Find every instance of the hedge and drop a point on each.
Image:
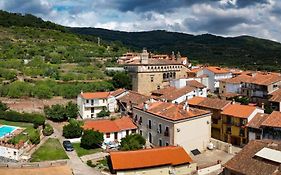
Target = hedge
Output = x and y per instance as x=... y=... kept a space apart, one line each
x=14 y=116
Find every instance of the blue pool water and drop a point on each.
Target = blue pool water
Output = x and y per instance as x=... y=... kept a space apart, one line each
x=5 y=129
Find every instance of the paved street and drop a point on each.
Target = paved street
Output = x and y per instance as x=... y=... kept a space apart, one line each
x=78 y=167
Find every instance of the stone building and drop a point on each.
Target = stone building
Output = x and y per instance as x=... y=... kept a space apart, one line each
x=150 y=74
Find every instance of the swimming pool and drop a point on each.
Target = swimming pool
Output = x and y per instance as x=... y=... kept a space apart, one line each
x=6 y=129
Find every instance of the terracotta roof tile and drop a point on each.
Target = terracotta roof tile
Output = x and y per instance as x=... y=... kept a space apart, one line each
x=107 y=125
x=237 y=110
x=212 y=103
x=276 y=96
x=95 y=95
x=117 y=92
x=134 y=97
x=124 y=160
x=245 y=161
x=273 y=120
x=171 y=93
x=217 y=70
x=195 y=84
x=172 y=111
x=257 y=120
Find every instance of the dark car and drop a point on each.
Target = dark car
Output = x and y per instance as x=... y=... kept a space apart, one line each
x=67 y=145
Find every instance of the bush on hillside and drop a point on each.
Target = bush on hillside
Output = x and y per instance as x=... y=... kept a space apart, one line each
x=48 y=130
x=34 y=137
x=14 y=116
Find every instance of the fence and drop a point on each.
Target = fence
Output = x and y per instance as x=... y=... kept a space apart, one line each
x=34 y=165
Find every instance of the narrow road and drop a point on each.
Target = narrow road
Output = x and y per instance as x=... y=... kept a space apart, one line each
x=78 y=167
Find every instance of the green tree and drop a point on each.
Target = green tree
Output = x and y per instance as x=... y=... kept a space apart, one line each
x=132 y=142
x=55 y=112
x=103 y=113
x=91 y=139
x=48 y=130
x=43 y=91
x=34 y=137
x=72 y=130
x=3 y=106
x=122 y=80
x=71 y=110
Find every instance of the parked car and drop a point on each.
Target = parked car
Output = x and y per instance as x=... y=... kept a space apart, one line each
x=67 y=145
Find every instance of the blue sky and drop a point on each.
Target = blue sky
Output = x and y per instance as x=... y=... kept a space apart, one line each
x=260 y=18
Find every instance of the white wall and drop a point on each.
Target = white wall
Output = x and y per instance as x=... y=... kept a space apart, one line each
x=233 y=87
x=257 y=110
x=10 y=153
x=194 y=133
x=120 y=135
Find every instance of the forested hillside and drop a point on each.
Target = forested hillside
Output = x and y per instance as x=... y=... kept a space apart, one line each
x=244 y=51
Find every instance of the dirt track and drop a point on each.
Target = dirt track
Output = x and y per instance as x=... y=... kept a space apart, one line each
x=33 y=104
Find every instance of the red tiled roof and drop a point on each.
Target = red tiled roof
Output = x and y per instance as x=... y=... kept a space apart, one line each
x=172 y=111
x=237 y=110
x=117 y=92
x=273 y=120
x=217 y=70
x=245 y=162
x=276 y=96
x=108 y=126
x=212 y=103
x=171 y=155
x=171 y=93
x=257 y=121
x=94 y=95
x=134 y=97
x=195 y=83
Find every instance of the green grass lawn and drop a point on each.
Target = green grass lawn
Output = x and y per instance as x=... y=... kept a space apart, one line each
x=50 y=150
x=81 y=151
x=28 y=128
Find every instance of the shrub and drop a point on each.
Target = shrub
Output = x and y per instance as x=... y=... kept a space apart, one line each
x=90 y=163
x=71 y=110
x=72 y=131
x=48 y=130
x=22 y=117
x=132 y=142
x=3 y=107
x=91 y=139
x=55 y=112
x=34 y=137
x=103 y=113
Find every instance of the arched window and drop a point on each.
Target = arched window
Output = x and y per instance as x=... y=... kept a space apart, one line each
x=164 y=76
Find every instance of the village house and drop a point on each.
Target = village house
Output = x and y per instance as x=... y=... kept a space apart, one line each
x=275 y=100
x=113 y=130
x=214 y=75
x=258 y=157
x=254 y=126
x=150 y=74
x=153 y=161
x=235 y=117
x=215 y=106
x=163 y=124
x=13 y=152
x=91 y=103
x=129 y=100
x=258 y=86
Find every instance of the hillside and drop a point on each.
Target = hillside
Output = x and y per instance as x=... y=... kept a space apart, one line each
x=42 y=59
x=244 y=51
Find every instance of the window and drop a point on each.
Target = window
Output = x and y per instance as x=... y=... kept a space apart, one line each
x=158 y=87
x=134 y=131
x=222 y=92
x=160 y=142
x=108 y=135
x=242 y=132
x=87 y=101
x=15 y=153
x=159 y=129
x=149 y=124
x=141 y=132
x=140 y=121
x=166 y=133
x=150 y=137
x=136 y=118
x=127 y=132
x=151 y=79
x=228 y=130
x=167 y=143
x=103 y=100
x=116 y=135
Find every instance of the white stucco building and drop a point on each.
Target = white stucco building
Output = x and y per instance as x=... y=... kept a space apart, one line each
x=164 y=124
x=214 y=75
x=91 y=103
x=113 y=130
x=11 y=151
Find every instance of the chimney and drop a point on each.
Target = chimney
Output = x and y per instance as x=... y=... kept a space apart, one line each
x=262 y=106
x=173 y=55
x=144 y=57
x=178 y=57
x=145 y=106
x=186 y=106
